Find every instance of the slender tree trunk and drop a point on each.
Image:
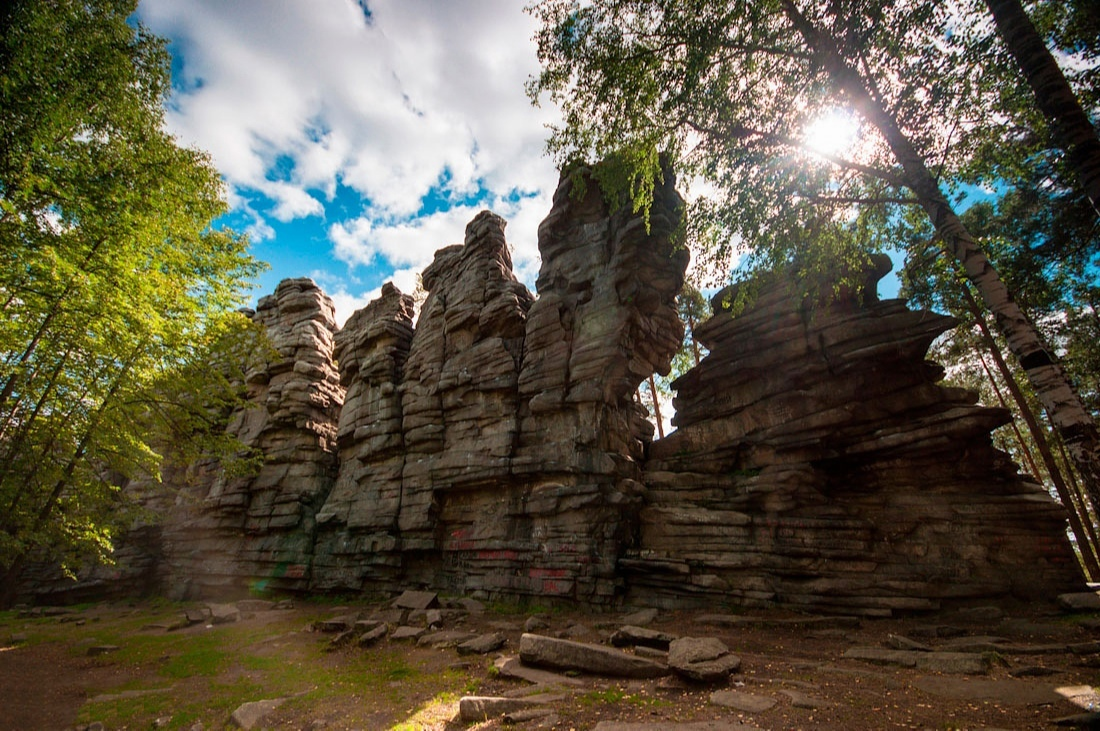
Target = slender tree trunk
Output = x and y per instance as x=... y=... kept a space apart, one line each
x=694 y=342
x=656 y=407
x=1073 y=421
x=1073 y=131
x=1077 y=517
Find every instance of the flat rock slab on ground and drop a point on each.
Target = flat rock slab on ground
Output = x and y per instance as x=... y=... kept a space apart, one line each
x=632 y=635
x=481 y=708
x=482 y=644
x=408 y=633
x=224 y=613
x=1004 y=692
x=511 y=667
x=417 y=600
x=551 y=652
x=668 y=726
x=952 y=663
x=249 y=715
x=1085 y=601
x=738 y=620
x=747 y=702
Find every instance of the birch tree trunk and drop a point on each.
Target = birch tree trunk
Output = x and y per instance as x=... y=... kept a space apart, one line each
x=1073 y=131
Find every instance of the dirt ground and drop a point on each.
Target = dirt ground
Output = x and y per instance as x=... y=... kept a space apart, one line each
x=133 y=667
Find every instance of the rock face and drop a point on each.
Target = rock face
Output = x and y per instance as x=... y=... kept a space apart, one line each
x=496 y=447
x=224 y=533
x=817 y=465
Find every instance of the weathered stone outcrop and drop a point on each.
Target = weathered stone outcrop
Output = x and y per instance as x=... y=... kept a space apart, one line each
x=496 y=447
x=518 y=449
x=226 y=532
x=818 y=465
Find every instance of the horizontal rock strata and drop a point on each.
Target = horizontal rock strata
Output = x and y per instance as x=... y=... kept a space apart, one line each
x=817 y=465
x=495 y=448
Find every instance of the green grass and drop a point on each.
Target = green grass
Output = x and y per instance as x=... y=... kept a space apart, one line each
x=207 y=673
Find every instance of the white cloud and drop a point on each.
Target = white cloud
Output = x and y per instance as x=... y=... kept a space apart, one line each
x=409 y=245
x=308 y=94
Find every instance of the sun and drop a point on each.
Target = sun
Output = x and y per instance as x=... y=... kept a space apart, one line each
x=833 y=133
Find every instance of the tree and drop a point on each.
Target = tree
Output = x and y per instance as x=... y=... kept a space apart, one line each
x=726 y=90
x=1053 y=94
x=111 y=278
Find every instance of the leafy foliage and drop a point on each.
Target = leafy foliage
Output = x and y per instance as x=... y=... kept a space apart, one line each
x=113 y=285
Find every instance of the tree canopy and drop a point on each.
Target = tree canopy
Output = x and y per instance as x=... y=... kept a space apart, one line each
x=112 y=280
x=728 y=89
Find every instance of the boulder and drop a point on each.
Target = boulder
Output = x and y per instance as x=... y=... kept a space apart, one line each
x=250 y=715
x=560 y=654
x=702 y=659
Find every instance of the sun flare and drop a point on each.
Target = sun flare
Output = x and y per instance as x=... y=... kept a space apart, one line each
x=833 y=133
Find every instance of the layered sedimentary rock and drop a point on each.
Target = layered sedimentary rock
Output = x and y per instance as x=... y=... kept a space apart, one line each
x=496 y=448
x=224 y=532
x=518 y=443
x=818 y=465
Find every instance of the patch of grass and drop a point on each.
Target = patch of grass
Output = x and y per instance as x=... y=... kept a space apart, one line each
x=213 y=671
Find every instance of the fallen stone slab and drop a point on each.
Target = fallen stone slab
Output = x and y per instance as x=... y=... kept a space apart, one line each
x=481 y=708
x=640 y=618
x=1079 y=720
x=372 y=636
x=340 y=640
x=741 y=701
x=652 y=653
x=1085 y=648
x=197 y=615
x=1004 y=692
x=551 y=652
x=899 y=642
x=224 y=613
x=702 y=659
x=482 y=644
x=737 y=620
x=416 y=600
x=408 y=633
x=1085 y=601
x=512 y=667
x=1033 y=671
x=335 y=624
x=974 y=644
x=631 y=636
x=954 y=663
x=668 y=726
x=249 y=715
x=445 y=639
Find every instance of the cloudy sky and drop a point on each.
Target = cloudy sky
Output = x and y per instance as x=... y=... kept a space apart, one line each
x=356 y=138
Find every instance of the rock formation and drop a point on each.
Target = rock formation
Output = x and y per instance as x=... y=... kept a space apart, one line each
x=496 y=448
x=817 y=465
x=224 y=532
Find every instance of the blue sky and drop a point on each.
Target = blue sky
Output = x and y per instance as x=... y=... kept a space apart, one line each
x=357 y=138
